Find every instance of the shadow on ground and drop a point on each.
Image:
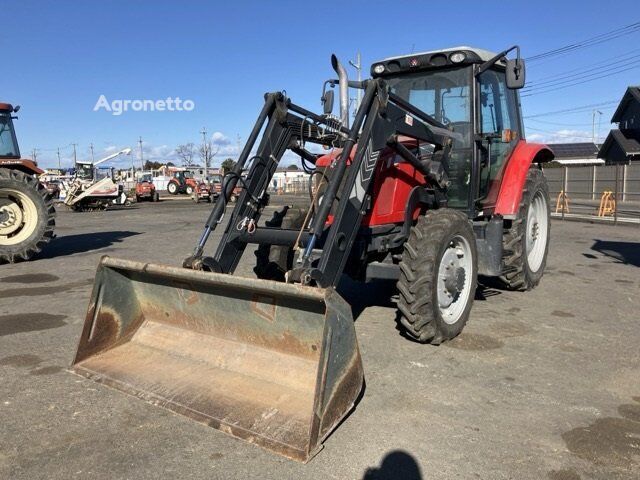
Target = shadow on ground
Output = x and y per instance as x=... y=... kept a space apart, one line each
x=624 y=252
x=362 y=295
x=395 y=465
x=83 y=242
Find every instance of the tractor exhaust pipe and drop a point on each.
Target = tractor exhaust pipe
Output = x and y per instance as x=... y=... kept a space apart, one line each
x=343 y=80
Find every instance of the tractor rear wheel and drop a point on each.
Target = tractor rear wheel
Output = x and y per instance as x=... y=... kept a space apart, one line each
x=27 y=216
x=526 y=240
x=438 y=276
x=172 y=188
x=273 y=261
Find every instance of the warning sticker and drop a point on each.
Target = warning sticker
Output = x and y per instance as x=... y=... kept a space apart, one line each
x=408 y=119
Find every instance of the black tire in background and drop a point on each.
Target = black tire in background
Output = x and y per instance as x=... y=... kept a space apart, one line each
x=524 y=267
x=439 y=265
x=273 y=261
x=41 y=231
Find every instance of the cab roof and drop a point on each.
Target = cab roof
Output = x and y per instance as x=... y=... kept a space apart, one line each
x=6 y=107
x=431 y=60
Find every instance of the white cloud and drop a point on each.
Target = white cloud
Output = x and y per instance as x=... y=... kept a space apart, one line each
x=559 y=136
x=219 y=138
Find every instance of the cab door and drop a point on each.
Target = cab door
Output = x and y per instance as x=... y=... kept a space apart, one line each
x=499 y=130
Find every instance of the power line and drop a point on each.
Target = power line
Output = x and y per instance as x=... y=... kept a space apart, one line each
x=595 y=40
x=553 y=89
x=573 y=109
x=577 y=73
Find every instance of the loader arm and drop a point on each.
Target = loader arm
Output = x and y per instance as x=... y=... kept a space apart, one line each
x=381 y=117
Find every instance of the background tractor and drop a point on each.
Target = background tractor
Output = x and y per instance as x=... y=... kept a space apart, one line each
x=182 y=182
x=146 y=190
x=432 y=185
x=27 y=214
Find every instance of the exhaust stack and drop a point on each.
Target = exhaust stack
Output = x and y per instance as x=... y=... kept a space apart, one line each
x=343 y=80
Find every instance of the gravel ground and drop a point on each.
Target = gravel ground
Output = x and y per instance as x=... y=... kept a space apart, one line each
x=544 y=384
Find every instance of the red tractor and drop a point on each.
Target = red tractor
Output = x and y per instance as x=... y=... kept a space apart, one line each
x=203 y=191
x=146 y=190
x=432 y=185
x=27 y=214
x=182 y=182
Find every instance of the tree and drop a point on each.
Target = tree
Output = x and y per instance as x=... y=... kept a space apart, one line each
x=228 y=165
x=293 y=166
x=149 y=165
x=185 y=152
x=207 y=152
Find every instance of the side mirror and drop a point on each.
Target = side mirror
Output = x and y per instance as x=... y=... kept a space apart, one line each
x=327 y=102
x=515 y=73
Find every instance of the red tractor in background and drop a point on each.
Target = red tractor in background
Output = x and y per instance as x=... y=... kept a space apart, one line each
x=146 y=190
x=203 y=191
x=27 y=214
x=182 y=182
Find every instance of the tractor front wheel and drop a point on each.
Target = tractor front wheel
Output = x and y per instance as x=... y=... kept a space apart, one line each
x=438 y=276
x=526 y=239
x=27 y=216
x=189 y=190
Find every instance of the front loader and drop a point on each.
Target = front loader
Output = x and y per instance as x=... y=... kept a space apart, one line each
x=432 y=185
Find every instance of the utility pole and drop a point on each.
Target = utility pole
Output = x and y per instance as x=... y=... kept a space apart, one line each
x=91 y=148
x=59 y=167
x=358 y=66
x=205 y=150
x=593 y=124
x=75 y=158
x=238 y=145
x=34 y=154
x=141 y=155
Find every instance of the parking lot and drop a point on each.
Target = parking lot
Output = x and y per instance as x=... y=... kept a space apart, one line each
x=544 y=384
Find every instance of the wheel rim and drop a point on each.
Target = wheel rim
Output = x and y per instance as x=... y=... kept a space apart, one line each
x=455 y=275
x=536 y=234
x=18 y=217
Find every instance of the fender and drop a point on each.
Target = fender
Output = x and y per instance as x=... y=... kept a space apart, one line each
x=24 y=165
x=515 y=175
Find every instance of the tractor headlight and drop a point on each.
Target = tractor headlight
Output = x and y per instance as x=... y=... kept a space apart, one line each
x=457 y=57
x=378 y=69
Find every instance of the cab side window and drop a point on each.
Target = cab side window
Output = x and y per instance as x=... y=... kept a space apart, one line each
x=499 y=125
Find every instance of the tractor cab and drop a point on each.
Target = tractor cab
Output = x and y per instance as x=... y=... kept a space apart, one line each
x=8 y=142
x=85 y=171
x=473 y=93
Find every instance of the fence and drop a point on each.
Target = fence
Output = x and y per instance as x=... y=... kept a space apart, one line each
x=585 y=186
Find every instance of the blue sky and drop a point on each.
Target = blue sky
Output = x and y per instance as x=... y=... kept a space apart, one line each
x=61 y=56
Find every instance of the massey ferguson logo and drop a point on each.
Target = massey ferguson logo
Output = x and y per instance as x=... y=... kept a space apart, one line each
x=365 y=173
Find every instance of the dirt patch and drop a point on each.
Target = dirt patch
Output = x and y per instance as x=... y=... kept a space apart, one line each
x=30 y=278
x=29 y=322
x=510 y=329
x=474 y=342
x=622 y=281
x=567 y=272
x=216 y=456
x=37 y=291
x=26 y=360
x=630 y=412
x=569 y=349
x=46 y=370
x=565 y=474
x=607 y=441
x=561 y=314
x=513 y=310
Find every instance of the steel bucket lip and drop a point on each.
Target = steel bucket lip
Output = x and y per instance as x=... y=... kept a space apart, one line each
x=219 y=279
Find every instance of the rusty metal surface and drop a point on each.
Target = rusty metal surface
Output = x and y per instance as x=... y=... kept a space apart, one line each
x=275 y=364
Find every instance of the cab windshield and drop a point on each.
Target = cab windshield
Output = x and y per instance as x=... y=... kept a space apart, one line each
x=84 y=171
x=8 y=144
x=443 y=94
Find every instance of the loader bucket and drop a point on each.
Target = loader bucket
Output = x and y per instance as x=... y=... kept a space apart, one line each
x=275 y=364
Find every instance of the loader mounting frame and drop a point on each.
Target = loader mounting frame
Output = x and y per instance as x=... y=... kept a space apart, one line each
x=381 y=118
